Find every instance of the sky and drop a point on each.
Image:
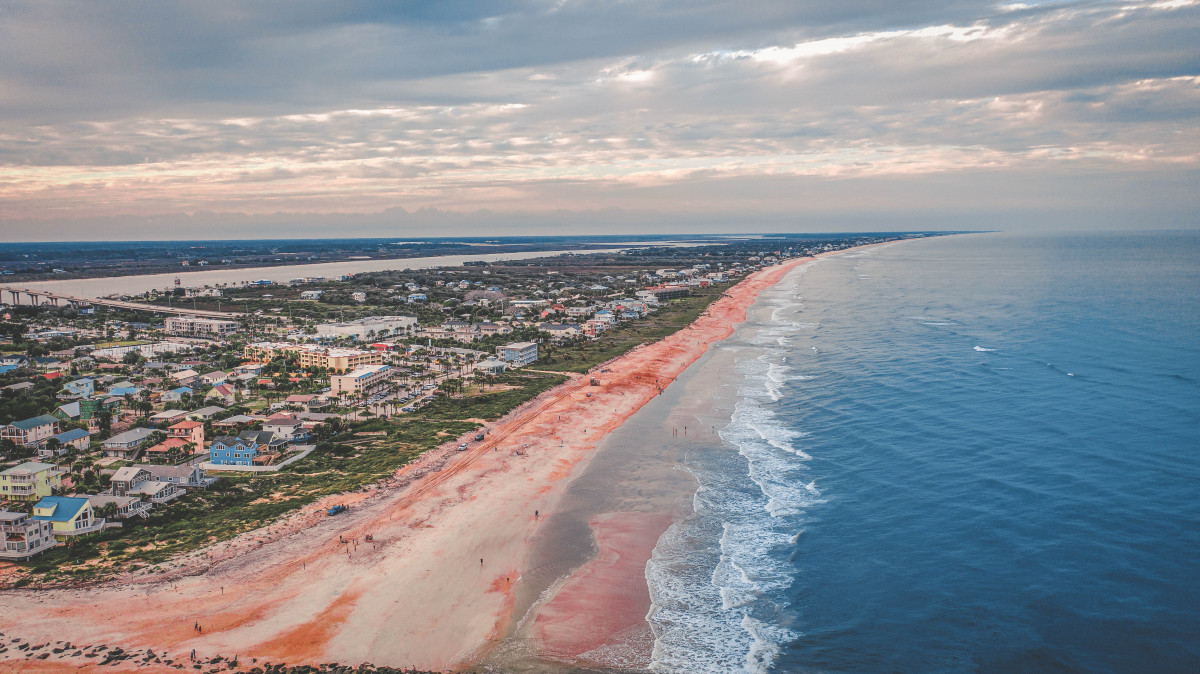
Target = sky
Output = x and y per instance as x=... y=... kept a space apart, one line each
x=294 y=118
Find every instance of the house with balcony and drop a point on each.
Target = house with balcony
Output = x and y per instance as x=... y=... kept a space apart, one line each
x=80 y=388
x=29 y=481
x=186 y=477
x=285 y=427
x=126 y=506
x=22 y=537
x=67 y=515
x=31 y=432
x=189 y=431
x=139 y=481
x=127 y=479
x=235 y=450
x=126 y=445
x=76 y=438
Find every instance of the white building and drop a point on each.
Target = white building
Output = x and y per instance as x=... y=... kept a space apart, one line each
x=372 y=327
x=193 y=326
x=518 y=353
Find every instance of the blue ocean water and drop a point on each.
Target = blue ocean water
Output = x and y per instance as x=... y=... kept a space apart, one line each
x=977 y=453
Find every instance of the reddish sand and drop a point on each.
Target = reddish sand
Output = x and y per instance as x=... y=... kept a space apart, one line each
x=606 y=597
x=419 y=595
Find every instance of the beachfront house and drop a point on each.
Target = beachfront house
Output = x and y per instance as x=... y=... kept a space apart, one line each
x=125 y=506
x=234 y=450
x=140 y=481
x=22 y=537
x=29 y=481
x=67 y=515
x=127 y=479
x=190 y=477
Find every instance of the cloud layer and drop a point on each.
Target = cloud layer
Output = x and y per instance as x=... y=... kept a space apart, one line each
x=205 y=119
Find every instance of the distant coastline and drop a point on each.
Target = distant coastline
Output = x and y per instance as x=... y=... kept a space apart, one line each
x=139 y=283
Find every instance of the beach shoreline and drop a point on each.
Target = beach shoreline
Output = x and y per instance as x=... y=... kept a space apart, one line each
x=436 y=588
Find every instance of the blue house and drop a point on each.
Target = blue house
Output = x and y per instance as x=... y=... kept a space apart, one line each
x=240 y=450
x=80 y=388
x=76 y=437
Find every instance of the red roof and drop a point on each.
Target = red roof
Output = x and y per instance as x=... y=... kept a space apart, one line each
x=186 y=424
x=167 y=445
x=52 y=375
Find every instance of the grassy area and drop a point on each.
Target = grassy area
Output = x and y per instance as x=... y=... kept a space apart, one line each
x=494 y=404
x=664 y=321
x=128 y=342
x=241 y=502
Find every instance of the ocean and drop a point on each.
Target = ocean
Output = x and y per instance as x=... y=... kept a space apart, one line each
x=977 y=453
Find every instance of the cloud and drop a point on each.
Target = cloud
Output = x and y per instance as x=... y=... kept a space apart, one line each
x=159 y=110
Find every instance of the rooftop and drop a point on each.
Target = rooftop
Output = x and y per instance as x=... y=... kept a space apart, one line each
x=34 y=422
x=27 y=467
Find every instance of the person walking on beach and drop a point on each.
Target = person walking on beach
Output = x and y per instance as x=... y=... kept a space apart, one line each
x=481 y=561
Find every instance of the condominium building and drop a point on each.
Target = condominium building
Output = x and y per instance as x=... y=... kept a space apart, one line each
x=194 y=326
x=360 y=381
x=311 y=355
x=518 y=353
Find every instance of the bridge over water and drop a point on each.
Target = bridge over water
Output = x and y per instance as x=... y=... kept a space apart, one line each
x=57 y=299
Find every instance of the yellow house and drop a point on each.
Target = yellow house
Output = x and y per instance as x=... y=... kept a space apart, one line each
x=29 y=481
x=68 y=515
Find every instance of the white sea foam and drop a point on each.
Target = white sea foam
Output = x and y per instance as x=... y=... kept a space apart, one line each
x=981 y=348
x=719 y=579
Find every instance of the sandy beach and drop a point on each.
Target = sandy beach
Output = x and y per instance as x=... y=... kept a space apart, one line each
x=460 y=560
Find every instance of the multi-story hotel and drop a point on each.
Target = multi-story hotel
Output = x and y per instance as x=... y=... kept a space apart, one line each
x=193 y=326
x=361 y=381
x=311 y=355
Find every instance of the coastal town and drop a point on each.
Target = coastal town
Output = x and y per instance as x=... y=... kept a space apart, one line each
x=129 y=436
